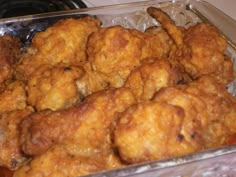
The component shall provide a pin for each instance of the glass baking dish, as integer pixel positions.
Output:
(213, 162)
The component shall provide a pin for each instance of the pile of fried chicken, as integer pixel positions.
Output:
(85, 98)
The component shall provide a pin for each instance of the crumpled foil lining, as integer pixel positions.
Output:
(211, 163)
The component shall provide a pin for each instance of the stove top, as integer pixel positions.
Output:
(13, 8)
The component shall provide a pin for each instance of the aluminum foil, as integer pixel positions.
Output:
(210, 163)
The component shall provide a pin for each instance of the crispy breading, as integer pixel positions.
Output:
(167, 23)
(106, 97)
(150, 131)
(152, 75)
(92, 81)
(200, 48)
(161, 35)
(13, 97)
(9, 54)
(86, 124)
(63, 42)
(157, 43)
(54, 87)
(194, 109)
(221, 109)
(11, 155)
(228, 74)
(115, 51)
(210, 107)
(206, 48)
(58, 162)
(179, 120)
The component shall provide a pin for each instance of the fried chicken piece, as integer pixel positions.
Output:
(210, 107)
(54, 87)
(207, 48)
(58, 162)
(150, 131)
(86, 124)
(168, 24)
(9, 53)
(200, 48)
(115, 51)
(63, 42)
(221, 107)
(10, 154)
(152, 75)
(194, 109)
(13, 97)
(179, 120)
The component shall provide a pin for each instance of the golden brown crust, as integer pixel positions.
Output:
(149, 131)
(200, 48)
(179, 120)
(9, 54)
(54, 87)
(207, 47)
(83, 124)
(87, 123)
(58, 161)
(210, 106)
(11, 155)
(167, 23)
(92, 81)
(64, 42)
(116, 51)
(152, 75)
(13, 97)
